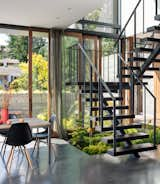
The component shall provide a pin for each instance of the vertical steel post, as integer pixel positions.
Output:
(83, 73)
(145, 108)
(135, 29)
(132, 94)
(156, 7)
(155, 109)
(91, 97)
(143, 17)
(114, 127)
(101, 106)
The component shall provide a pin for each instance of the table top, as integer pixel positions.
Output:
(33, 123)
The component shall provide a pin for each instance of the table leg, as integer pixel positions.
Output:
(49, 144)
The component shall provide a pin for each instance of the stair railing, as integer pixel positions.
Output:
(135, 76)
(134, 13)
(117, 45)
(105, 86)
(156, 7)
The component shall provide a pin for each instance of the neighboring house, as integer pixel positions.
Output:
(9, 70)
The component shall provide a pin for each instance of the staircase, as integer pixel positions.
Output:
(105, 99)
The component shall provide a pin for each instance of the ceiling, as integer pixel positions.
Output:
(45, 13)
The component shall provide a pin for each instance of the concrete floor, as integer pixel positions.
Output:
(75, 167)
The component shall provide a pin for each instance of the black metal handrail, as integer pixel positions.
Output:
(102, 83)
(96, 71)
(135, 76)
(129, 19)
(156, 7)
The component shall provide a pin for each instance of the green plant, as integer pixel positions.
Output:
(79, 138)
(39, 72)
(96, 149)
(43, 116)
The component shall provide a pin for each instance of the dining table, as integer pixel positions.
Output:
(33, 123)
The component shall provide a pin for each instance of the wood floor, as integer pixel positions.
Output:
(72, 166)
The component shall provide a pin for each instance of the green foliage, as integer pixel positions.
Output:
(91, 145)
(43, 116)
(96, 149)
(107, 45)
(79, 138)
(18, 47)
(39, 73)
(151, 136)
(131, 131)
(21, 82)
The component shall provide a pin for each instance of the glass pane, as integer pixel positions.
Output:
(70, 108)
(14, 71)
(40, 75)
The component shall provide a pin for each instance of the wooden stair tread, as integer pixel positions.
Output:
(105, 99)
(157, 17)
(132, 149)
(138, 68)
(110, 107)
(150, 39)
(119, 127)
(121, 138)
(143, 49)
(144, 76)
(153, 28)
(141, 59)
(110, 117)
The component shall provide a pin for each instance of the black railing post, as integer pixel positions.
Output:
(101, 105)
(132, 94)
(143, 17)
(135, 29)
(83, 73)
(114, 127)
(91, 98)
(156, 7)
(155, 114)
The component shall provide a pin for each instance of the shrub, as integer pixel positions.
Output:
(79, 138)
(43, 116)
(96, 149)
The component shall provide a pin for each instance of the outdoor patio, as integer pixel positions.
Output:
(72, 166)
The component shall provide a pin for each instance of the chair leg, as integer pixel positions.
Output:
(4, 146)
(28, 157)
(36, 141)
(10, 158)
(4, 151)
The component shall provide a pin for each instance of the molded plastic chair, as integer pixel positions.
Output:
(4, 134)
(43, 135)
(18, 136)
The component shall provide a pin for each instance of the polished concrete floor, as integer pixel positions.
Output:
(71, 166)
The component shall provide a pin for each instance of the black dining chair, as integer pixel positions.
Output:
(4, 134)
(39, 136)
(18, 136)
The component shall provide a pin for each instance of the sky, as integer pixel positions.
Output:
(3, 39)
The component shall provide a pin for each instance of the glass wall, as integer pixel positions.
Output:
(70, 92)
(40, 75)
(14, 73)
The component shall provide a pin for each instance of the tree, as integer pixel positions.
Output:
(18, 47)
(39, 73)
